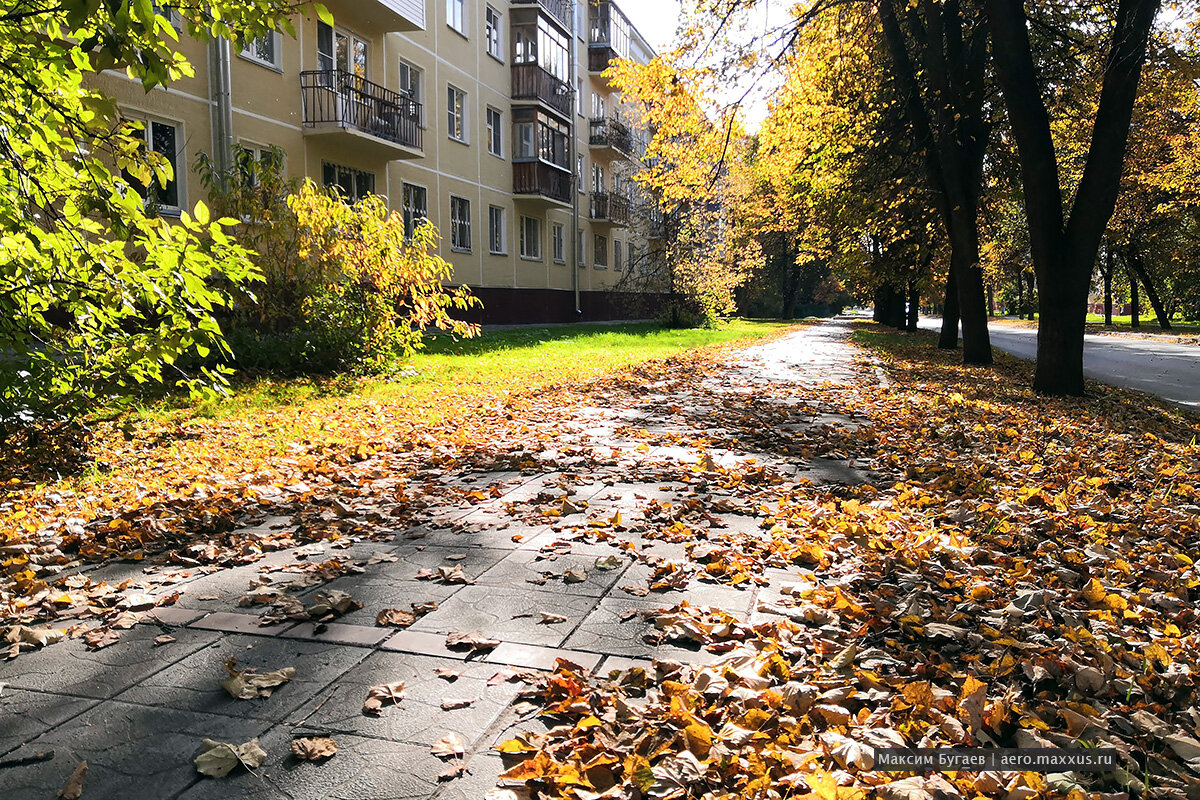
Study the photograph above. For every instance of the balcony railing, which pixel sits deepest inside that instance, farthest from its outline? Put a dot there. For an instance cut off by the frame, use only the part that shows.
(540, 179)
(559, 9)
(608, 132)
(612, 208)
(336, 98)
(531, 82)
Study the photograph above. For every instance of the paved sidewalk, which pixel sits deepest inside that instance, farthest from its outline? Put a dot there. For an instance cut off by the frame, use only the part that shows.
(138, 710)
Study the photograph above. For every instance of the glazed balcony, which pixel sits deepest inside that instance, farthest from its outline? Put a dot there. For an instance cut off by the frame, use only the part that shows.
(611, 208)
(359, 113)
(558, 10)
(537, 180)
(532, 83)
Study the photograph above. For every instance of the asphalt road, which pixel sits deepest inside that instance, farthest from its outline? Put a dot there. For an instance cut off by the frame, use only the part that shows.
(1167, 369)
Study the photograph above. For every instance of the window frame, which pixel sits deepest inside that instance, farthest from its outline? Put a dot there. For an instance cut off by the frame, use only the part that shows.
(177, 175)
(355, 175)
(457, 8)
(558, 243)
(457, 117)
(416, 85)
(617, 252)
(531, 245)
(599, 239)
(248, 52)
(496, 213)
(408, 210)
(495, 131)
(460, 223)
(493, 32)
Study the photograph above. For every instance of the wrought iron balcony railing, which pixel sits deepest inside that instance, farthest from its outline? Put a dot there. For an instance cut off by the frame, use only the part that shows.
(340, 99)
(537, 178)
(609, 207)
(609, 132)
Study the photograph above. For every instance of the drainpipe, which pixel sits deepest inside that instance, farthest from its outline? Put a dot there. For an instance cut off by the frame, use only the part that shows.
(222, 96)
(572, 157)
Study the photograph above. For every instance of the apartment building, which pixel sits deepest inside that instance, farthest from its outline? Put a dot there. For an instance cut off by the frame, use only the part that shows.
(488, 117)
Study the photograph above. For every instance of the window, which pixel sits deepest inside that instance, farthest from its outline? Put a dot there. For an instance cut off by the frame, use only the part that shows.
(617, 253)
(597, 177)
(460, 224)
(597, 106)
(531, 238)
(558, 243)
(579, 174)
(495, 132)
(172, 15)
(416, 207)
(495, 46)
(456, 114)
(496, 230)
(539, 136)
(164, 138)
(542, 44)
(337, 49)
(254, 159)
(600, 251)
(264, 50)
(352, 184)
(579, 251)
(579, 95)
(456, 15)
(410, 85)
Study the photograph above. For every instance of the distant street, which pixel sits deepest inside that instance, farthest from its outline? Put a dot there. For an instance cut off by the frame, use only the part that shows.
(1167, 369)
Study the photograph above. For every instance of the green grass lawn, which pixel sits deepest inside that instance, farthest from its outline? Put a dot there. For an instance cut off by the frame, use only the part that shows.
(1149, 323)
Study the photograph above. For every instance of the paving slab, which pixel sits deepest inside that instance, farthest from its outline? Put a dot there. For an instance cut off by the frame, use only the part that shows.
(603, 631)
(70, 668)
(26, 715)
(543, 658)
(363, 769)
(419, 718)
(132, 751)
(524, 567)
(508, 613)
(194, 683)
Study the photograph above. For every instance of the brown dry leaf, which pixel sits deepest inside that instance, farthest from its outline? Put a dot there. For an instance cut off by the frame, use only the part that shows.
(315, 749)
(218, 759)
(452, 771)
(165, 638)
(575, 576)
(471, 640)
(449, 746)
(73, 789)
(551, 619)
(251, 684)
(447, 674)
(382, 695)
(452, 704)
(395, 618)
(98, 638)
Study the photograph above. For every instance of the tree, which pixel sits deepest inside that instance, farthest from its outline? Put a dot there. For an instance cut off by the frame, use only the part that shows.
(1064, 243)
(97, 292)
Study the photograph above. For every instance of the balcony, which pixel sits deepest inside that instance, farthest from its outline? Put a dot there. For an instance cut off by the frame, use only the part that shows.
(379, 15)
(608, 133)
(531, 82)
(559, 10)
(599, 56)
(360, 113)
(612, 208)
(537, 180)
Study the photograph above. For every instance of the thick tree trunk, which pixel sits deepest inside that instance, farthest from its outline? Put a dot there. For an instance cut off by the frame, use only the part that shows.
(1021, 295)
(991, 301)
(914, 307)
(1031, 297)
(1062, 319)
(1160, 310)
(948, 340)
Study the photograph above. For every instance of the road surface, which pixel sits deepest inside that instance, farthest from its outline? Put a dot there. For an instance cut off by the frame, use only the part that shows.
(1166, 369)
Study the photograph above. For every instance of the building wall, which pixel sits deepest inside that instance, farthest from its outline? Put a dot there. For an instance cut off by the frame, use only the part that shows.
(267, 109)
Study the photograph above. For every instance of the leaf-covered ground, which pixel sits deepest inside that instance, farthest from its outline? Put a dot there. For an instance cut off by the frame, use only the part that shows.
(1024, 576)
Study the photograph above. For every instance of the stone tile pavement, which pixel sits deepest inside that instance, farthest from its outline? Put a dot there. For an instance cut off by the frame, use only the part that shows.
(137, 711)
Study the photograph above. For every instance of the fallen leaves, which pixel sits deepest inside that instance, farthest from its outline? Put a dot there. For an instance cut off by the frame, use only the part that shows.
(218, 759)
(316, 749)
(384, 694)
(250, 684)
(73, 789)
(474, 641)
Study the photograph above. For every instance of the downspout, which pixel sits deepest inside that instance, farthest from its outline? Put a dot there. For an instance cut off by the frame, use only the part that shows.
(222, 96)
(573, 157)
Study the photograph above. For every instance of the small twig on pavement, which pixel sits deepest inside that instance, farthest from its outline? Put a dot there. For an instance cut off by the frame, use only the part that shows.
(315, 710)
(20, 762)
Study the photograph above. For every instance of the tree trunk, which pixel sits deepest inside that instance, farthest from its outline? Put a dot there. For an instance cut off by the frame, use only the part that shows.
(1031, 297)
(914, 306)
(1108, 280)
(1061, 322)
(899, 309)
(1021, 295)
(1160, 311)
(991, 301)
(1135, 302)
(948, 340)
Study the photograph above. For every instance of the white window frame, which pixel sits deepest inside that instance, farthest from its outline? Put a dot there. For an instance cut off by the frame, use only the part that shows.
(497, 231)
(597, 262)
(414, 86)
(581, 250)
(580, 97)
(460, 224)
(456, 16)
(495, 132)
(558, 243)
(178, 175)
(580, 167)
(456, 113)
(249, 52)
(531, 238)
(494, 33)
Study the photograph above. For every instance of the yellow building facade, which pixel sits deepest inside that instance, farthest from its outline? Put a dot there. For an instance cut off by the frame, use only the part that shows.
(488, 117)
